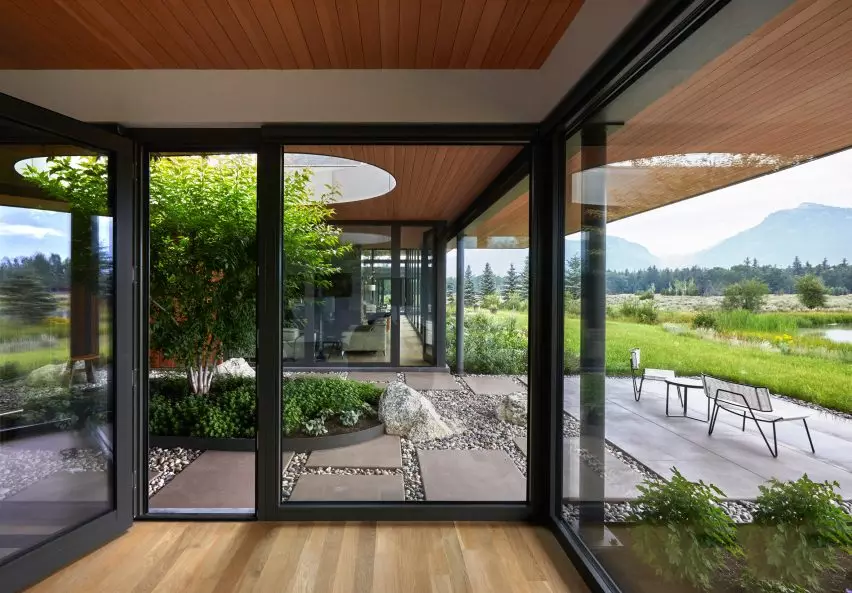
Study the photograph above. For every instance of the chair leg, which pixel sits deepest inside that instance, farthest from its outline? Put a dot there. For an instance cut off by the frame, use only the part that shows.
(744, 419)
(808, 432)
(713, 417)
(773, 451)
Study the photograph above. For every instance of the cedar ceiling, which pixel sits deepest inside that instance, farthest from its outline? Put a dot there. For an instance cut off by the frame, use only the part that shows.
(783, 91)
(281, 34)
(432, 182)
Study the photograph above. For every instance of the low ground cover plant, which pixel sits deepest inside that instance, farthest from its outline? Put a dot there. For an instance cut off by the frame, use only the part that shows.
(229, 410)
(493, 344)
(683, 533)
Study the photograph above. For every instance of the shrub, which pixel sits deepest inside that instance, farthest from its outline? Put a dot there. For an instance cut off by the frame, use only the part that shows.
(492, 345)
(350, 417)
(315, 427)
(748, 294)
(491, 302)
(799, 528)
(683, 532)
(308, 398)
(811, 291)
(647, 295)
(10, 370)
(704, 320)
(640, 311)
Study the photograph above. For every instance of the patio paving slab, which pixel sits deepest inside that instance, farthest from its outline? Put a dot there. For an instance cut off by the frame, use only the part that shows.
(372, 376)
(620, 481)
(67, 487)
(383, 452)
(471, 476)
(493, 385)
(216, 480)
(348, 488)
(428, 381)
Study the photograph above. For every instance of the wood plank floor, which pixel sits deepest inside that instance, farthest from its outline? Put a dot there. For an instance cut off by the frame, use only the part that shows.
(323, 558)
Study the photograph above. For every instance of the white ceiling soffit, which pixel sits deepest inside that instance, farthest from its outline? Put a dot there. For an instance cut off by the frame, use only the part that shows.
(217, 98)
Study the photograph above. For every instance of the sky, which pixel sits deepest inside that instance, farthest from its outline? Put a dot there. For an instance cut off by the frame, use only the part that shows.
(696, 224)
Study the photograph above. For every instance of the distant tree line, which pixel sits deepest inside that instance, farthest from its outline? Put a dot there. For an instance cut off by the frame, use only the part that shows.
(713, 281)
(52, 272)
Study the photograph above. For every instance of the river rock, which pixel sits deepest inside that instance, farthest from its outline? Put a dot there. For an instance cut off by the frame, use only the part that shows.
(513, 409)
(236, 367)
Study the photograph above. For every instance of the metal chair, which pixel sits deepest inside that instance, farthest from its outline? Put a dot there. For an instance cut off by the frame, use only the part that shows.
(646, 375)
(749, 402)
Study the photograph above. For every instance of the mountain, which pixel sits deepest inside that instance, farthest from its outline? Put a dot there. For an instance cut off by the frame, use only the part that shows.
(621, 254)
(812, 232)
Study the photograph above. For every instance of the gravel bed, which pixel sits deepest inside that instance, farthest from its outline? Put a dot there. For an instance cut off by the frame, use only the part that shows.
(20, 468)
(170, 462)
(292, 472)
(411, 478)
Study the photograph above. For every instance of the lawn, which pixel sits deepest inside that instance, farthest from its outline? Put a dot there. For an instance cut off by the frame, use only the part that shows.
(822, 381)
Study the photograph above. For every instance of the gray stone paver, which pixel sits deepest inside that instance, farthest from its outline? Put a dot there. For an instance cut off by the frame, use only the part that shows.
(217, 479)
(427, 381)
(372, 376)
(493, 385)
(470, 475)
(736, 461)
(64, 486)
(383, 452)
(357, 488)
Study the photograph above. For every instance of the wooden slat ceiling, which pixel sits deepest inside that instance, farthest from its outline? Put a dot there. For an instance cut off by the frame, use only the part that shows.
(783, 91)
(281, 34)
(432, 182)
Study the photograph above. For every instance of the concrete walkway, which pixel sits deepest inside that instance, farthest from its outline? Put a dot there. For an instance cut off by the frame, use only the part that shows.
(735, 461)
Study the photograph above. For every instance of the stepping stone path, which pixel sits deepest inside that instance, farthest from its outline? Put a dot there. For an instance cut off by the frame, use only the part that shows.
(471, 475)
(383, 452)
(428, 381)
(620, 482)
(344, 488)
(493, 385)
(372, 377)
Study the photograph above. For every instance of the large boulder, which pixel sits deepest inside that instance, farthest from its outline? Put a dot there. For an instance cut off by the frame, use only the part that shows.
(235, 367)
(513, 409)
(407, 413)
(54, 375)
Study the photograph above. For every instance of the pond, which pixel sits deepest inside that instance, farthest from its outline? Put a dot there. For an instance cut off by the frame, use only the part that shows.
(841, 334)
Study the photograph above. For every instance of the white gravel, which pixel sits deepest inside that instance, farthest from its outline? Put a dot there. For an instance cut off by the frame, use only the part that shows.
(170, 462)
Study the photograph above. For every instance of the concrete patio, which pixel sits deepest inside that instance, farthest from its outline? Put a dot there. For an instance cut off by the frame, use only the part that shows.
(735, 461)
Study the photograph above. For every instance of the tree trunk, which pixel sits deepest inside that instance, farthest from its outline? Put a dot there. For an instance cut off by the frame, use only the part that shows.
(200, 377)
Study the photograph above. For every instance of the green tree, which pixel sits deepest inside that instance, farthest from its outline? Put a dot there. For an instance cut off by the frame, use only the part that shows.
(748, 294)
(487, 282)
(510, 285)
(203, 255)
(491, 301)
(811, 290)
(524, 282)
(469, 288)
(25, 299)
(572, 277)
(797, 266)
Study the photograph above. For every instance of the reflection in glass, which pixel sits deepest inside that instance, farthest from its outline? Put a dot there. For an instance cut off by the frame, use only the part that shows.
(56, 338)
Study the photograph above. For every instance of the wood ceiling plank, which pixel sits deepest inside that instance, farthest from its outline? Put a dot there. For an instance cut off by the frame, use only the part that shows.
(409, 26)
(255, 34)
(509, 20)
(469, 20)
(347, 12)
(529, 25)
(196, 31)
(286, 15)
(237, 33)
(146, 15)
(427, 33)
(389, 32)
(172, 28)
(17, 25)
(485, 31)
(448, 25)
(202, 11)
(134, 21)
(331, 31)
(87, 14)
(306, 13)
(266, 15)
(371, 37)
(432, 179)
(556, 34)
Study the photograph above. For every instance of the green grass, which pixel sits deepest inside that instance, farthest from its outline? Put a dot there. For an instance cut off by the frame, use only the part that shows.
(32, 359)
(779, 323)
(822, 381)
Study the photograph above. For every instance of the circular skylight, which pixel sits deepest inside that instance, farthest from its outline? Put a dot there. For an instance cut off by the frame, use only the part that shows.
(353, 179)
(707, 160)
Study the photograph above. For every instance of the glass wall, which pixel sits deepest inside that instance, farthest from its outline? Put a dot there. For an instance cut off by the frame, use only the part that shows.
(706, 384)
(202, 289)
(418, 296)
(56, 337)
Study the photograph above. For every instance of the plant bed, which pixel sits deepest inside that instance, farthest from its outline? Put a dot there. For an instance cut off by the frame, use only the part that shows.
(365, 430)
(202, 443)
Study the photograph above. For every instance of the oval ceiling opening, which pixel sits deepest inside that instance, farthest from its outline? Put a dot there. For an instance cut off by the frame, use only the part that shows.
(354, 180)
